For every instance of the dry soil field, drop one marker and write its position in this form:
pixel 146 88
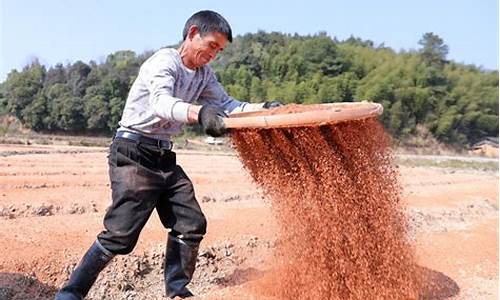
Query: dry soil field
pixel 53 198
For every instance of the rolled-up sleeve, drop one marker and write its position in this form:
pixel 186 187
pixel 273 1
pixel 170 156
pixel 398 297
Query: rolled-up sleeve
pixel 160 81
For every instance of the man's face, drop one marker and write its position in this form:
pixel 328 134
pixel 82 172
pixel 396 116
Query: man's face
pixel 204 49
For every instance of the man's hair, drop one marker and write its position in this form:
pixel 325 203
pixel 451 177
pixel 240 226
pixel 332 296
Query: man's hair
pixel 208 21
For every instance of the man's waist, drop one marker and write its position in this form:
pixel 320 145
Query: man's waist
pixel 151 129
pixel 137 137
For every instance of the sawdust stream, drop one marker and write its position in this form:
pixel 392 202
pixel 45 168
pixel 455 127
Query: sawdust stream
pixel 336 196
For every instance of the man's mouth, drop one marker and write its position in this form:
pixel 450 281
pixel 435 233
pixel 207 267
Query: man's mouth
pixel 205 58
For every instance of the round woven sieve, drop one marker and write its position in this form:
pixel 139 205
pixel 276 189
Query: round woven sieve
pixel 295 115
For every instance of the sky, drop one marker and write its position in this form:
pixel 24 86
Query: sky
pixel 58 31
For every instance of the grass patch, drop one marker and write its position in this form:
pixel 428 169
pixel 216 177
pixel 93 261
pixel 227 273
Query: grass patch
pixel 448 163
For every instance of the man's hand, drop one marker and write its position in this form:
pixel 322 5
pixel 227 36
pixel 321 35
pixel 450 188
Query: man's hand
pixel 193 112
pixel 210 118
pixel 272 104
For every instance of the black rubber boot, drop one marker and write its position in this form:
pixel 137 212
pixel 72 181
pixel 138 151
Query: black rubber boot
pixel 85 274
pixel 180 262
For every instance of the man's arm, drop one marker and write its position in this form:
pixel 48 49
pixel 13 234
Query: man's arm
pixel 158 75
pixel 217 104
pixel 214 94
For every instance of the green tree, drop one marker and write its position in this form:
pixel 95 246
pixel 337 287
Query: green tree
pixel 56 74
pixel 116 105
pixel 21 88
pixel 96 112
pixel 66 113
pixel 433 50
pixel 77 78
pixel 34 114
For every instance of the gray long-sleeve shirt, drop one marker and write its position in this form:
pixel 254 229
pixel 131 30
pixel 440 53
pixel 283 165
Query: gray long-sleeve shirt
pixel 158 101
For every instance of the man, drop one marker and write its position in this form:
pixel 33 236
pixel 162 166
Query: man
pixel 143 171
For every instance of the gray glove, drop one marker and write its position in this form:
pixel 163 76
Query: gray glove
pixel 272 104
pixel 211 120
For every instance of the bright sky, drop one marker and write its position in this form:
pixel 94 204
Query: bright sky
pixel 59 31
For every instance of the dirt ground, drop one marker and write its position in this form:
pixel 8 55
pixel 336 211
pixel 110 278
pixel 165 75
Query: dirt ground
pixel 53 198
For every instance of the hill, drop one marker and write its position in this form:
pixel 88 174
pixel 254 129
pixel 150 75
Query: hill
pixel 422 92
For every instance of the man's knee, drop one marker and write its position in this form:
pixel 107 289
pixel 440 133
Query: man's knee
pixel 116 245
pixel 192 231
pixel 202 225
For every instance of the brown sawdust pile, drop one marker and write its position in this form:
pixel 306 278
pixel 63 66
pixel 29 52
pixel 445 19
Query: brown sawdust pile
pixel 335 193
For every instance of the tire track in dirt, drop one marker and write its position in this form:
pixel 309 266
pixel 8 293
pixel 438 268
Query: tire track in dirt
pixel 48 185
pixel 443 219
pixel 28 210
pixel 31 152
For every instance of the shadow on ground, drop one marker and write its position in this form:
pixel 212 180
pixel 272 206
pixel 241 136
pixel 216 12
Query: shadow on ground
pixel 240 276
pixel 436 285
pixel 15 286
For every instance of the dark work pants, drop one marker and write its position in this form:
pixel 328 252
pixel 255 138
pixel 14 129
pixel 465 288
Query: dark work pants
pixel 144 177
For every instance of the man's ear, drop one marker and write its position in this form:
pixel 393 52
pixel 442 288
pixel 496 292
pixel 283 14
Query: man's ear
pixel 193 30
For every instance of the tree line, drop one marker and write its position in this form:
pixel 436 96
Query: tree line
pixel 419 89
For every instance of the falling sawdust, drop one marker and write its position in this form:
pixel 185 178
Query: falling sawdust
pixel 336 197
